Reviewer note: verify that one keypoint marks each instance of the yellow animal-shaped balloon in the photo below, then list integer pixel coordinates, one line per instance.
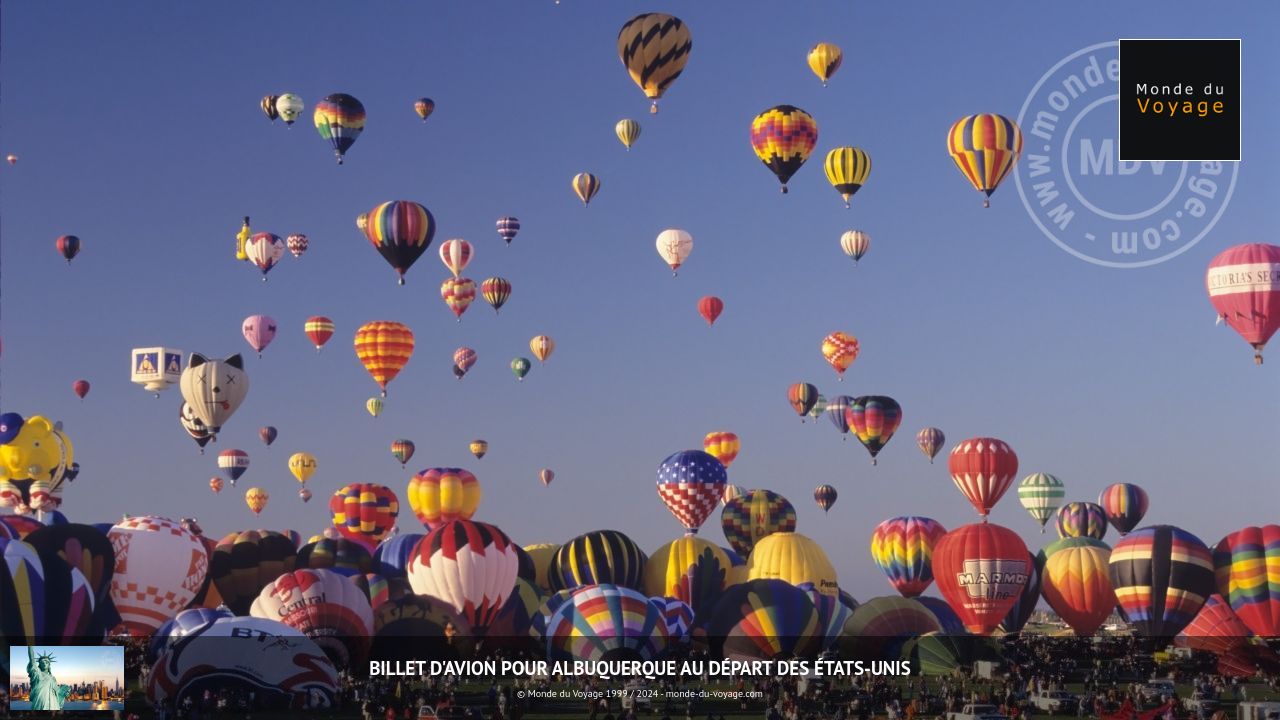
(39, 450)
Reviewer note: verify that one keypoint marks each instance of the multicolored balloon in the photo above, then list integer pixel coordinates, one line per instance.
(268, 105)
(441, 495)
(628, 131)
(689, 569)
(840, 350)
(690, 483)
(607, 621)
(930, 440)
(495, 291)
(384, 348)
(983, 469)
(233, 463)
(318, 329)
(847, 170)
(458, 293)
(256, 498)
(1162, 576)
(824, 59)
(267, 434)
(585, 185)
(1041, 494)
(985, 148)
(874, 418)
(424, 107)
(364, 513)
(401, 231)
(755, 515)
(1125, 505)
(1247, 569)
(507, 228)
(339, 118)
(825, 496)
(1244, 286)
(159, 567)
(545, 476)
(837, 413)
(802, 396)
(981, 570)
(902, 547)
(722, 445)
(596, 558)
(215, 484)
(297, 244)
(1082, 519)
(289, 106)
(654, 47)
(1076, 582)
(264, 250)
(325, 606)
(456, 254)
(783, 138)
(463, 359)
(68, 247)
(478, 448)
(764, 620)
(402, 450)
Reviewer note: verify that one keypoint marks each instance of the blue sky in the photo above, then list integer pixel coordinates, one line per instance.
(73, 664)
(138, 129)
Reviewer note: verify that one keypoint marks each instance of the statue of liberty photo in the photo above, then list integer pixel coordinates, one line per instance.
(46, 693)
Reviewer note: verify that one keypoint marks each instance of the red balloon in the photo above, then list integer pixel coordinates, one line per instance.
(80, 388)
(1244, 286)
(710, 308)
(983, 468)
(981, 570)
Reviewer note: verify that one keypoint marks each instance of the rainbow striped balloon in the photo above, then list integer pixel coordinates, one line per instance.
(1082, 519)
(1125, 505)
(903, 548)
(1162, 576)
(1247, 566)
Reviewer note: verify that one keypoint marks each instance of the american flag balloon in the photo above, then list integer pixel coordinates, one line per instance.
(690, 483)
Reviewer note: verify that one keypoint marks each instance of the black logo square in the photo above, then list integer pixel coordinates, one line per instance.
(1180, 100)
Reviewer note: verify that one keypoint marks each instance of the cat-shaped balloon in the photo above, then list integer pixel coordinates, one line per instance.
(214, 389)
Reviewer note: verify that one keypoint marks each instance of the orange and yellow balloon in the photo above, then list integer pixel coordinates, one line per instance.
(542, 346)
(722, 445)
(256, 499)
(441, 495)
(985, 148)
(840, 349)
(384, 348)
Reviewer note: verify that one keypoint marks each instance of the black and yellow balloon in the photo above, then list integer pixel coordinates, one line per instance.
(654, 47)
(847, 169)
(824, 60)
(599, 557)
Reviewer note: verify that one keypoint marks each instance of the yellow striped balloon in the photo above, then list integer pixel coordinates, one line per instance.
(654, 47)
(586, 186)
(847, 169)
(384, 348)
(441, 495)
(628, 131)
(542, 347)
(985, 147)
(824, 60)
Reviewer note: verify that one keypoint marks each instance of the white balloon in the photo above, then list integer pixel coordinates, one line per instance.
(674, 246)
(214, 389)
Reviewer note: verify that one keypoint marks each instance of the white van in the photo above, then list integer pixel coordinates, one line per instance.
(1258, 711)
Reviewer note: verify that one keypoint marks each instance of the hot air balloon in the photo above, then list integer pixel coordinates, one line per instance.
(463, 359)
(243, 563)
(304, 494)
(585, 185)
(819, 407)
(302, 465)
(268, 106)
(472, 566)
(400, 230)
(1077, 584)
(840, 350)
(882, 626)
(983, 469)
(264, 250)
(1216, 629)
(855, 244)
(214, 389)
(495, 291)
(384, 348)
(80, 388)
(180, 626)
(256, 499)
(364, 513)
(402, 450)
(68, 247)
(654, 47)
(374, 406)
(478, 448)
(598, 557)
(233, 464)
(847, 170)
(1125, 505)
(674, 246)
(339, 118)
(763, 620)
(159, 566)
(837, 412)
(607, 621)
(84, 549)
(903, 547)
(440, 495)
(267, 434)
(874, 418)
(802, 397)
(1082, 519)
(542, 346)
(47, 597)
(297, 244)
(289, 106)
(333, 552)
(710, 307)
(319, 329)
(690, 569)
(545, 476)
(520, 366)
(981, 570)
(1041, 494)
(1162, 575)
(754, 515)
(458, 294)
(194, 426)
(824, 60)
(690, 483)
(258, 331)
(1023, 608)
(326, 607)
(12, 159)
(628, 131)
(424, 107)
(215, 484)
(722, 445)
(985, 148)
(507, 228)
(456, 254)
(825, 496)
(1247, 569)
(930, 440)
(1244, 287)
(783, 138)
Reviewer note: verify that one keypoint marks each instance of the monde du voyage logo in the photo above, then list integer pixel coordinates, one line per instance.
(1130, 148)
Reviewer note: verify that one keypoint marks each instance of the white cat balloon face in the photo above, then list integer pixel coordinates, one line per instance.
(214, 388)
